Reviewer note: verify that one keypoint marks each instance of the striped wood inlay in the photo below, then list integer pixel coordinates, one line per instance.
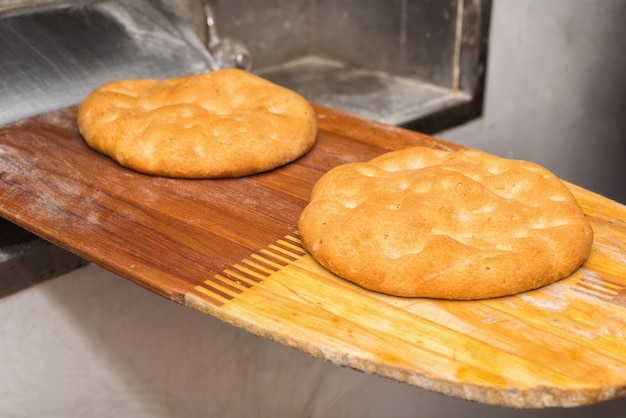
(600, 288)
(240, 277)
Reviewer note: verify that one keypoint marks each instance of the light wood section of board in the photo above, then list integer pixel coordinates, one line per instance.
(561, 345)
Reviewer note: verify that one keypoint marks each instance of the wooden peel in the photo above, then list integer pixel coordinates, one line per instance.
(230, 248)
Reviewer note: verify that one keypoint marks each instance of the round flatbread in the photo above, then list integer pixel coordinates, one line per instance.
(225, 123)
(451, 225)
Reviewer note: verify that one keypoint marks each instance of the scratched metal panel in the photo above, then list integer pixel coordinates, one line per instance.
(51, 56)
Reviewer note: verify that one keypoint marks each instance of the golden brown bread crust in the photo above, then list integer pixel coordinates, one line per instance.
(451, 225)
(224, 123)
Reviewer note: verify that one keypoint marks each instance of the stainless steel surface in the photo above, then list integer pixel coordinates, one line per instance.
(401, 61)
(26, 259)
(371, 94)
(386, 58)
(52, 55)
(228, 52)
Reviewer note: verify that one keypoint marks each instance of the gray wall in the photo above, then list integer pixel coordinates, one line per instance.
(556, 90)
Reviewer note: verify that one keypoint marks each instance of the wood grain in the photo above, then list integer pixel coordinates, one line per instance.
(230, 248)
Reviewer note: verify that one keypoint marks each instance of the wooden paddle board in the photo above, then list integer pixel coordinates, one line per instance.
(230, 248)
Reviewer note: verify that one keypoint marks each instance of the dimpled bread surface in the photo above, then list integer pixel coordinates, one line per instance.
(461, 225)
(225, 123)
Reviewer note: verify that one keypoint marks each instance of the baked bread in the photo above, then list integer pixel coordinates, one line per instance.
(225, 123)
(451, 225)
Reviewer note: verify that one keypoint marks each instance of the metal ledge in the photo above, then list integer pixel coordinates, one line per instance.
(370, 94)
(26, 259)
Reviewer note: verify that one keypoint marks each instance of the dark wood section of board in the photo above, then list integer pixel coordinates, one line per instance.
(167, 235)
